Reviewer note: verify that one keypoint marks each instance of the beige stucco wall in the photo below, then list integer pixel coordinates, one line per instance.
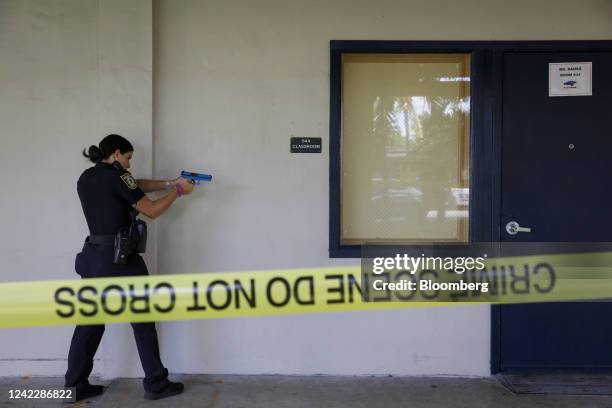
(71, 72)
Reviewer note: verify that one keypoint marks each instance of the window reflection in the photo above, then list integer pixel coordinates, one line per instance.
(405, 147)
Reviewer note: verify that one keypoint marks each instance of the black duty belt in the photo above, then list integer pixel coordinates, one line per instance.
(101, 239)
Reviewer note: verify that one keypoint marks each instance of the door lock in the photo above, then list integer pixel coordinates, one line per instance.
(514, 228)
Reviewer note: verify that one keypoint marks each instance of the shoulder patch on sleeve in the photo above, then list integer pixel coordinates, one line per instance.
(129, 181)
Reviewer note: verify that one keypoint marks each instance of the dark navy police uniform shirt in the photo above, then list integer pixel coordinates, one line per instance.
(107, 195)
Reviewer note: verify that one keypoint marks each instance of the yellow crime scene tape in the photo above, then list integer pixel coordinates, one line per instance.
(526, 279)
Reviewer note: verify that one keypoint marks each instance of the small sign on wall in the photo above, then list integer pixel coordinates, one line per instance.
(570, 79)
(305, 145)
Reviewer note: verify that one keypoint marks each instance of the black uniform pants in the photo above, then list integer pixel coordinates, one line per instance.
(95, 261)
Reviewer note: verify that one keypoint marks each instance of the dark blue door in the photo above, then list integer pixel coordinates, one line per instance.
(556, 180)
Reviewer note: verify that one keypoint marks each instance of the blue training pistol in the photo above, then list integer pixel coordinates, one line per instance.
(195, 177)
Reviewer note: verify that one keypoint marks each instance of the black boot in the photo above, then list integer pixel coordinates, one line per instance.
(171, 388)
(86, 390)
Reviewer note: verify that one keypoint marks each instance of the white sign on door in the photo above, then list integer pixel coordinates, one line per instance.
(570, 79)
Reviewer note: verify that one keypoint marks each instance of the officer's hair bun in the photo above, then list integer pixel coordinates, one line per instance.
(108, 146)
(93, 153)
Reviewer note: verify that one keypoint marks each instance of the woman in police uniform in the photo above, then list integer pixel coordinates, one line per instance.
(108, 195)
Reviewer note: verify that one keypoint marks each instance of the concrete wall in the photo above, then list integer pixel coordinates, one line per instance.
(71, 72)
(233, 81)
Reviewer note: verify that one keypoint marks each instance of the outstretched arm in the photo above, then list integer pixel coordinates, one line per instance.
(149, 186)
(155, 208)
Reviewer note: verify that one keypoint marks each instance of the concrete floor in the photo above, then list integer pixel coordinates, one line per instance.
(225, 391)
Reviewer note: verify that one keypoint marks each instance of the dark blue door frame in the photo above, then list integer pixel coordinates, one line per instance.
(485, 133)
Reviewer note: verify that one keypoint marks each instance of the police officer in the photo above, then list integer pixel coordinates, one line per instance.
(109, 196)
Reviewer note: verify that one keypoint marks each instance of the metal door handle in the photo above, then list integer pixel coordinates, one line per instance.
(514, 228)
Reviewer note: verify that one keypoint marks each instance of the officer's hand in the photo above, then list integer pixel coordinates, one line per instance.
(186, 185)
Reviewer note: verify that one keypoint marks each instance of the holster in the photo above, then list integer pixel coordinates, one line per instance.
(131, 240)
(138, 234)
(123, 247)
